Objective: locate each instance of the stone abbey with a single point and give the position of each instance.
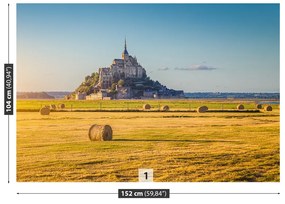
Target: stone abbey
(125, 78)
(127, 67)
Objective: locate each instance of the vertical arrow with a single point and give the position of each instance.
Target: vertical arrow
(8, 115)
(8, 150)
(8, 33)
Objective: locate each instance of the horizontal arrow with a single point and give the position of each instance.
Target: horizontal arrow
(230, 193)
(170, 193)
(62, 193)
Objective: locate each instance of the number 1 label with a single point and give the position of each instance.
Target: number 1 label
(145, 175)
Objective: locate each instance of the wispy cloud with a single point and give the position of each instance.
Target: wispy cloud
(163, 69)
(196, 67)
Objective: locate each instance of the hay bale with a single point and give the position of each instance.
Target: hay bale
(61, 106)
(202, 109)
(100, 133)
(53, 107)
(240, 107)
(268, 108)
(45, 110)
(146, 107)
(258, 106)
(165, 108)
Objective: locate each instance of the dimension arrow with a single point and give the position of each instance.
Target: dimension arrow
(229, 193)
(8, 115)
(65, 193)
(76, 193)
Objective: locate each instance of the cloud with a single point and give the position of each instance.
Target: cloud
(196, 67)
(163, 69)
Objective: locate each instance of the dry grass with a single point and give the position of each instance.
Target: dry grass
(202, 109)
(146, 107)
(268, 108)
(165, 108)
(53, 107)
(179, 147)
(258, 106)
(100, 133)
(181, 104)
(240, 107)
(45, 110)
(61, 106)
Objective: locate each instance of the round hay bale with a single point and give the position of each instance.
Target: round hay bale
(100, 133)
(44, 111)
(258, 106)
(53, 107)
(202, 109)
(146, 107)
(61, 106)
(165, 108)
(240, 107)
(268, 108)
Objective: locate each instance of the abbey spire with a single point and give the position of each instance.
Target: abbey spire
(126, 45)
(125, 54)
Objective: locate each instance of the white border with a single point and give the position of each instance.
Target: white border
(9, 191)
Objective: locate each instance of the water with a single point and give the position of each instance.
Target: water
(223, 95)
(269, 102)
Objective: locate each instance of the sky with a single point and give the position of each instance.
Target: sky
(190, 47)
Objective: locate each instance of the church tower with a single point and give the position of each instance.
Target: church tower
(125, 54)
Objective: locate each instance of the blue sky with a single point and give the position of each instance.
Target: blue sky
(190, 47)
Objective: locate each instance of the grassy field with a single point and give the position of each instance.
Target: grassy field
(179, 147)
(183, 104)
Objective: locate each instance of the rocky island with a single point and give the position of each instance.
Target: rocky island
(125, 78)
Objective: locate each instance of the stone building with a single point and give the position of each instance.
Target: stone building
(134, 82)
(149, 93)
(127, 67)
(105, 78)
(123, 93)
(80, 96)
(101, 95)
